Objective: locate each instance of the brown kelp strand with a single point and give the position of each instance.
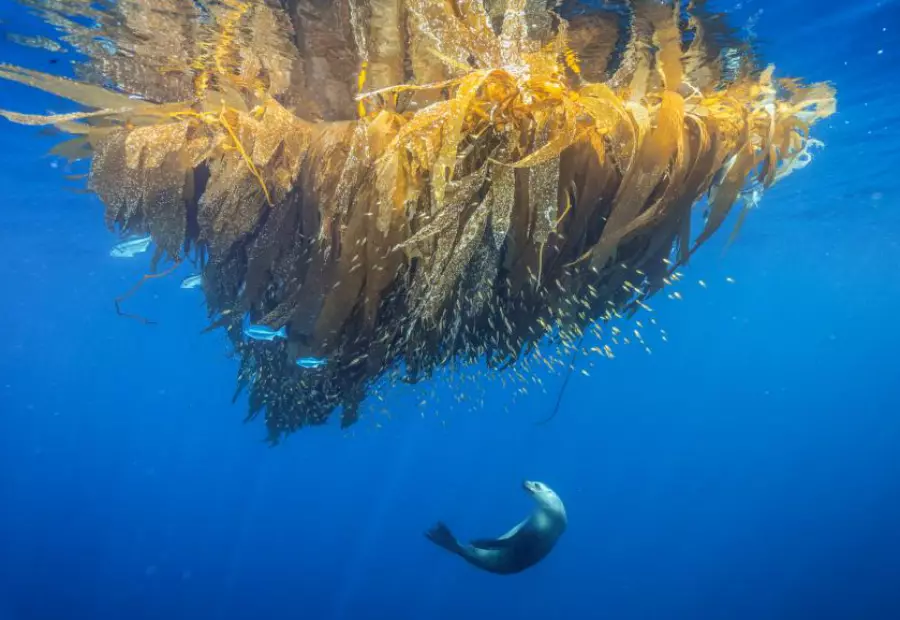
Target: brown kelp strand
(408, 184)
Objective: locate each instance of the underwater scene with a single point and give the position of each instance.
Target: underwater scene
(404, 309)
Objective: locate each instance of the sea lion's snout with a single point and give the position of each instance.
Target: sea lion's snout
(531, 487)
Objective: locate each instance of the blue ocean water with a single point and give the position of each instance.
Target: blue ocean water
(748, 468)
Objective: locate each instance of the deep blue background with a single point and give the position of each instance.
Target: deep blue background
(747, 469)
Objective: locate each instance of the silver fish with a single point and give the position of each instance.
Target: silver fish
(131, 247)
(193, 281)
(261, 332)
(310, 362)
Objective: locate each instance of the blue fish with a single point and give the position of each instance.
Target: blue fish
(310, 362)
(261, 332)
(192, 281)
(131, 247)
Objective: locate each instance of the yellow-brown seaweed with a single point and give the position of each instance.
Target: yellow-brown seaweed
(406, 182)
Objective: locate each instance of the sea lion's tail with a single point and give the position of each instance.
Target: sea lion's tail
(441, 535)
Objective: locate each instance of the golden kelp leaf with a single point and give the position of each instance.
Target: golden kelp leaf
(561, 138)
(319, 178)
(750, 201)
(57, 119)
(702, 134)
(543, 192)
(276, 125)
(604, 107)
(232, 204)
(659, 149)
(385, 59)
(414, 144)
(810, 103)
(382, 251)
(726, 194)
(354, 168)
(449, 32)
(74, 149)
(667, 37)
(484, 42)
(514, 43)
(503, 196)
(634, 71)
(459, 196)
(447, 276)
(451, 133)
(680, 188)
(427, 67)
(591, 183)
(294, 150)
(626, 138)
(197, 150)
(116, 185)
(769, 167)
(271, 48)
(223, 97)
(351, 271)
(595, 139)
(665, 141)
(85, 94)
(164, 206)
(147, 147)
(395, 187)
(367, 138)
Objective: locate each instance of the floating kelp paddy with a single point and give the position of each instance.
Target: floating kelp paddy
(396, 186)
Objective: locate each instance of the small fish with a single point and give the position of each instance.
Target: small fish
(261, 332)
(193, 281)
(721, 173)
(310, 362)
(131, 247)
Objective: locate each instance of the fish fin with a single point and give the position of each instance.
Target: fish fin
(282, 332)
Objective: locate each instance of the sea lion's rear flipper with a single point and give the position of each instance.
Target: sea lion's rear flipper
(441, 535)
(491, 543)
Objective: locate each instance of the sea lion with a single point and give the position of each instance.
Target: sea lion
(523, 546)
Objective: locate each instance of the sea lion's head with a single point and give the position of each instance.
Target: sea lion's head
(545, 497)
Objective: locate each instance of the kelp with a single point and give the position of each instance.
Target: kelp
(406, 183)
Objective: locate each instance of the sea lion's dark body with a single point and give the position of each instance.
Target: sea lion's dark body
(522, 547)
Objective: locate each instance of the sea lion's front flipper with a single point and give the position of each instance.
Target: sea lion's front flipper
(491, 543)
